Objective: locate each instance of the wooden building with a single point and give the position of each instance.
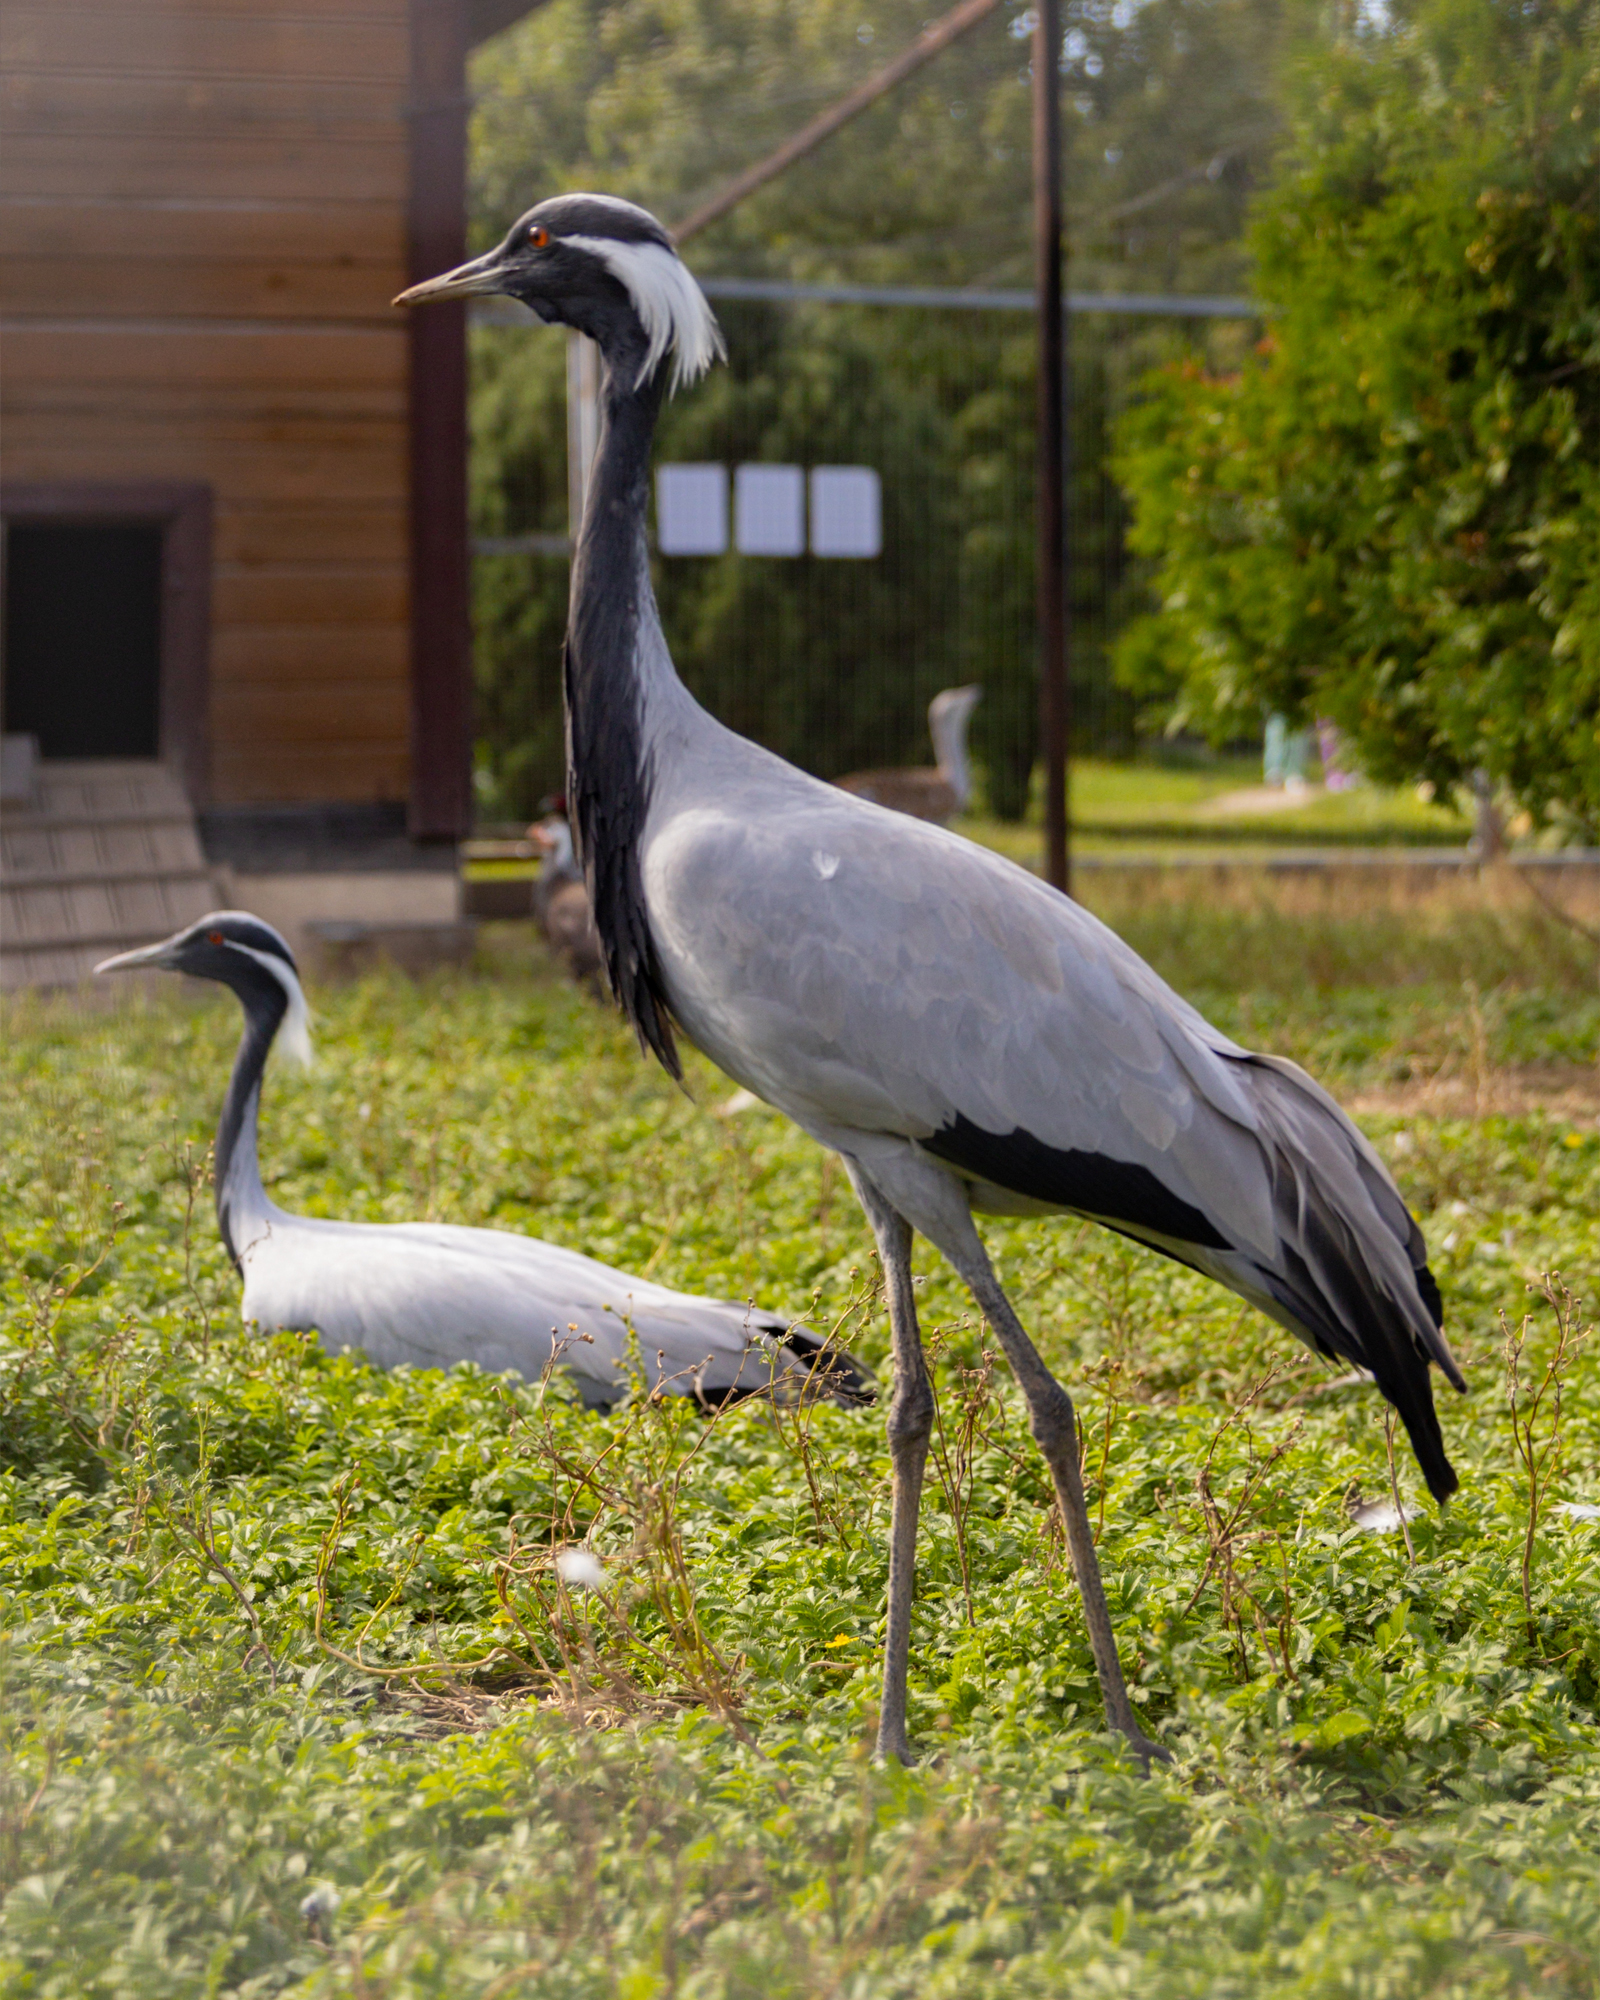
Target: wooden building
(233, 476)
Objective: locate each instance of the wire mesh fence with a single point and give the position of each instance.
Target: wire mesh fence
(843, 525)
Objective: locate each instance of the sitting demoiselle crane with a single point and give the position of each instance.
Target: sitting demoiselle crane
(432, 1293)
(965, 1037)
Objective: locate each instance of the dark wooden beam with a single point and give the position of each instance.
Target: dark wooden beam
(441, 641)
(1055, 692)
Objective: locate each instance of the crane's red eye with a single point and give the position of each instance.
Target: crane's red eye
(215, 937)
(538, 237)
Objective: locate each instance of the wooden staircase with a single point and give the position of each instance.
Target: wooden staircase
(95, 857)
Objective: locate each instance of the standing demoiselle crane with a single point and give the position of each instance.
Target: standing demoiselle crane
(961, 1034)
(433, 1293)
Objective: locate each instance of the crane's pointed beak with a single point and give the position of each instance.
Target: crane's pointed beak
(483, 275)
(154, 955)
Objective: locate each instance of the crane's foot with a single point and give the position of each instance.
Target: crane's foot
(1144, 1748)
(893, 1746)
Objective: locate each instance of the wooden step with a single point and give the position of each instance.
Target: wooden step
(100, 857)
(91, 851)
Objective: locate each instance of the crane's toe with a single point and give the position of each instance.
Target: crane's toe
(1146, 1749)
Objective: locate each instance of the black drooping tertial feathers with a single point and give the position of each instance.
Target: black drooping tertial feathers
(1350, 1274)
(608, 780)
(830, 1371)
(1368, 1301)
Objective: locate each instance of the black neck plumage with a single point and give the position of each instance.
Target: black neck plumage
(241, 1201)
(612, 614)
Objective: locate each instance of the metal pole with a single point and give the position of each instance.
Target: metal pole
(1055, 716)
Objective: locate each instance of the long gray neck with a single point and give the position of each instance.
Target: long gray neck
(244, 1213)
(948, 728)
(614, 662)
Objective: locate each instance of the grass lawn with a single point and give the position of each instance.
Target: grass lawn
(292, 1699)
(1160, 809)
(1148, 803)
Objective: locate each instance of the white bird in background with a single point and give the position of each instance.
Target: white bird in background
(938, 794)
(432, 1294)
(964, 1036)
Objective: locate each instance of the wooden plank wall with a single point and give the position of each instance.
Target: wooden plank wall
(203, 213)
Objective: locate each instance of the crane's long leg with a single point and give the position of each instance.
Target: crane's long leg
(1054, 1426)
(910, 1426)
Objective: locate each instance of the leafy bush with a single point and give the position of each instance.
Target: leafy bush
(1389, 516)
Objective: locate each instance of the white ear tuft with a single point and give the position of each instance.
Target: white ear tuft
(294, 1035)
(671, 306)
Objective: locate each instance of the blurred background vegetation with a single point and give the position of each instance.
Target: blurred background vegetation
(1388, 515)
(833, 663)
(1332, 161)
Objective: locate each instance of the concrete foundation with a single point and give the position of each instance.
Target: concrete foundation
(374, 899)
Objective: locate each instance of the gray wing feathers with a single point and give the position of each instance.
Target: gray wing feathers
(891, 988)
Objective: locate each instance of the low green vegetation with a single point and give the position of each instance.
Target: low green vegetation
(292, 1696)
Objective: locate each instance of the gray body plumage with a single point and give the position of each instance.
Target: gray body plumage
(928, 1008)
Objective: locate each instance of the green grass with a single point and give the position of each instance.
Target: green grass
(280, 1627)
(1161, 809)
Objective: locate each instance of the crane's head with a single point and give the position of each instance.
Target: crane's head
(601, 265)
(242, 952)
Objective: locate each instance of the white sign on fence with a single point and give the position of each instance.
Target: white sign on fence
(846, 511)
(769, 510)
(692, 510)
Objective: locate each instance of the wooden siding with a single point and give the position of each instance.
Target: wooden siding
(203, 218)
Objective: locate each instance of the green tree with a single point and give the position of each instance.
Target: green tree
(1390, 515)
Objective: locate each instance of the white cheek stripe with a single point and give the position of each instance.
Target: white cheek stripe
(295, 1034)
(671, 306)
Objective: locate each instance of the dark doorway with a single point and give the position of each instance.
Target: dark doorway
(83, 637)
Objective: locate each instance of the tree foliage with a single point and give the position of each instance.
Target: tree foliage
(1390, 515)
